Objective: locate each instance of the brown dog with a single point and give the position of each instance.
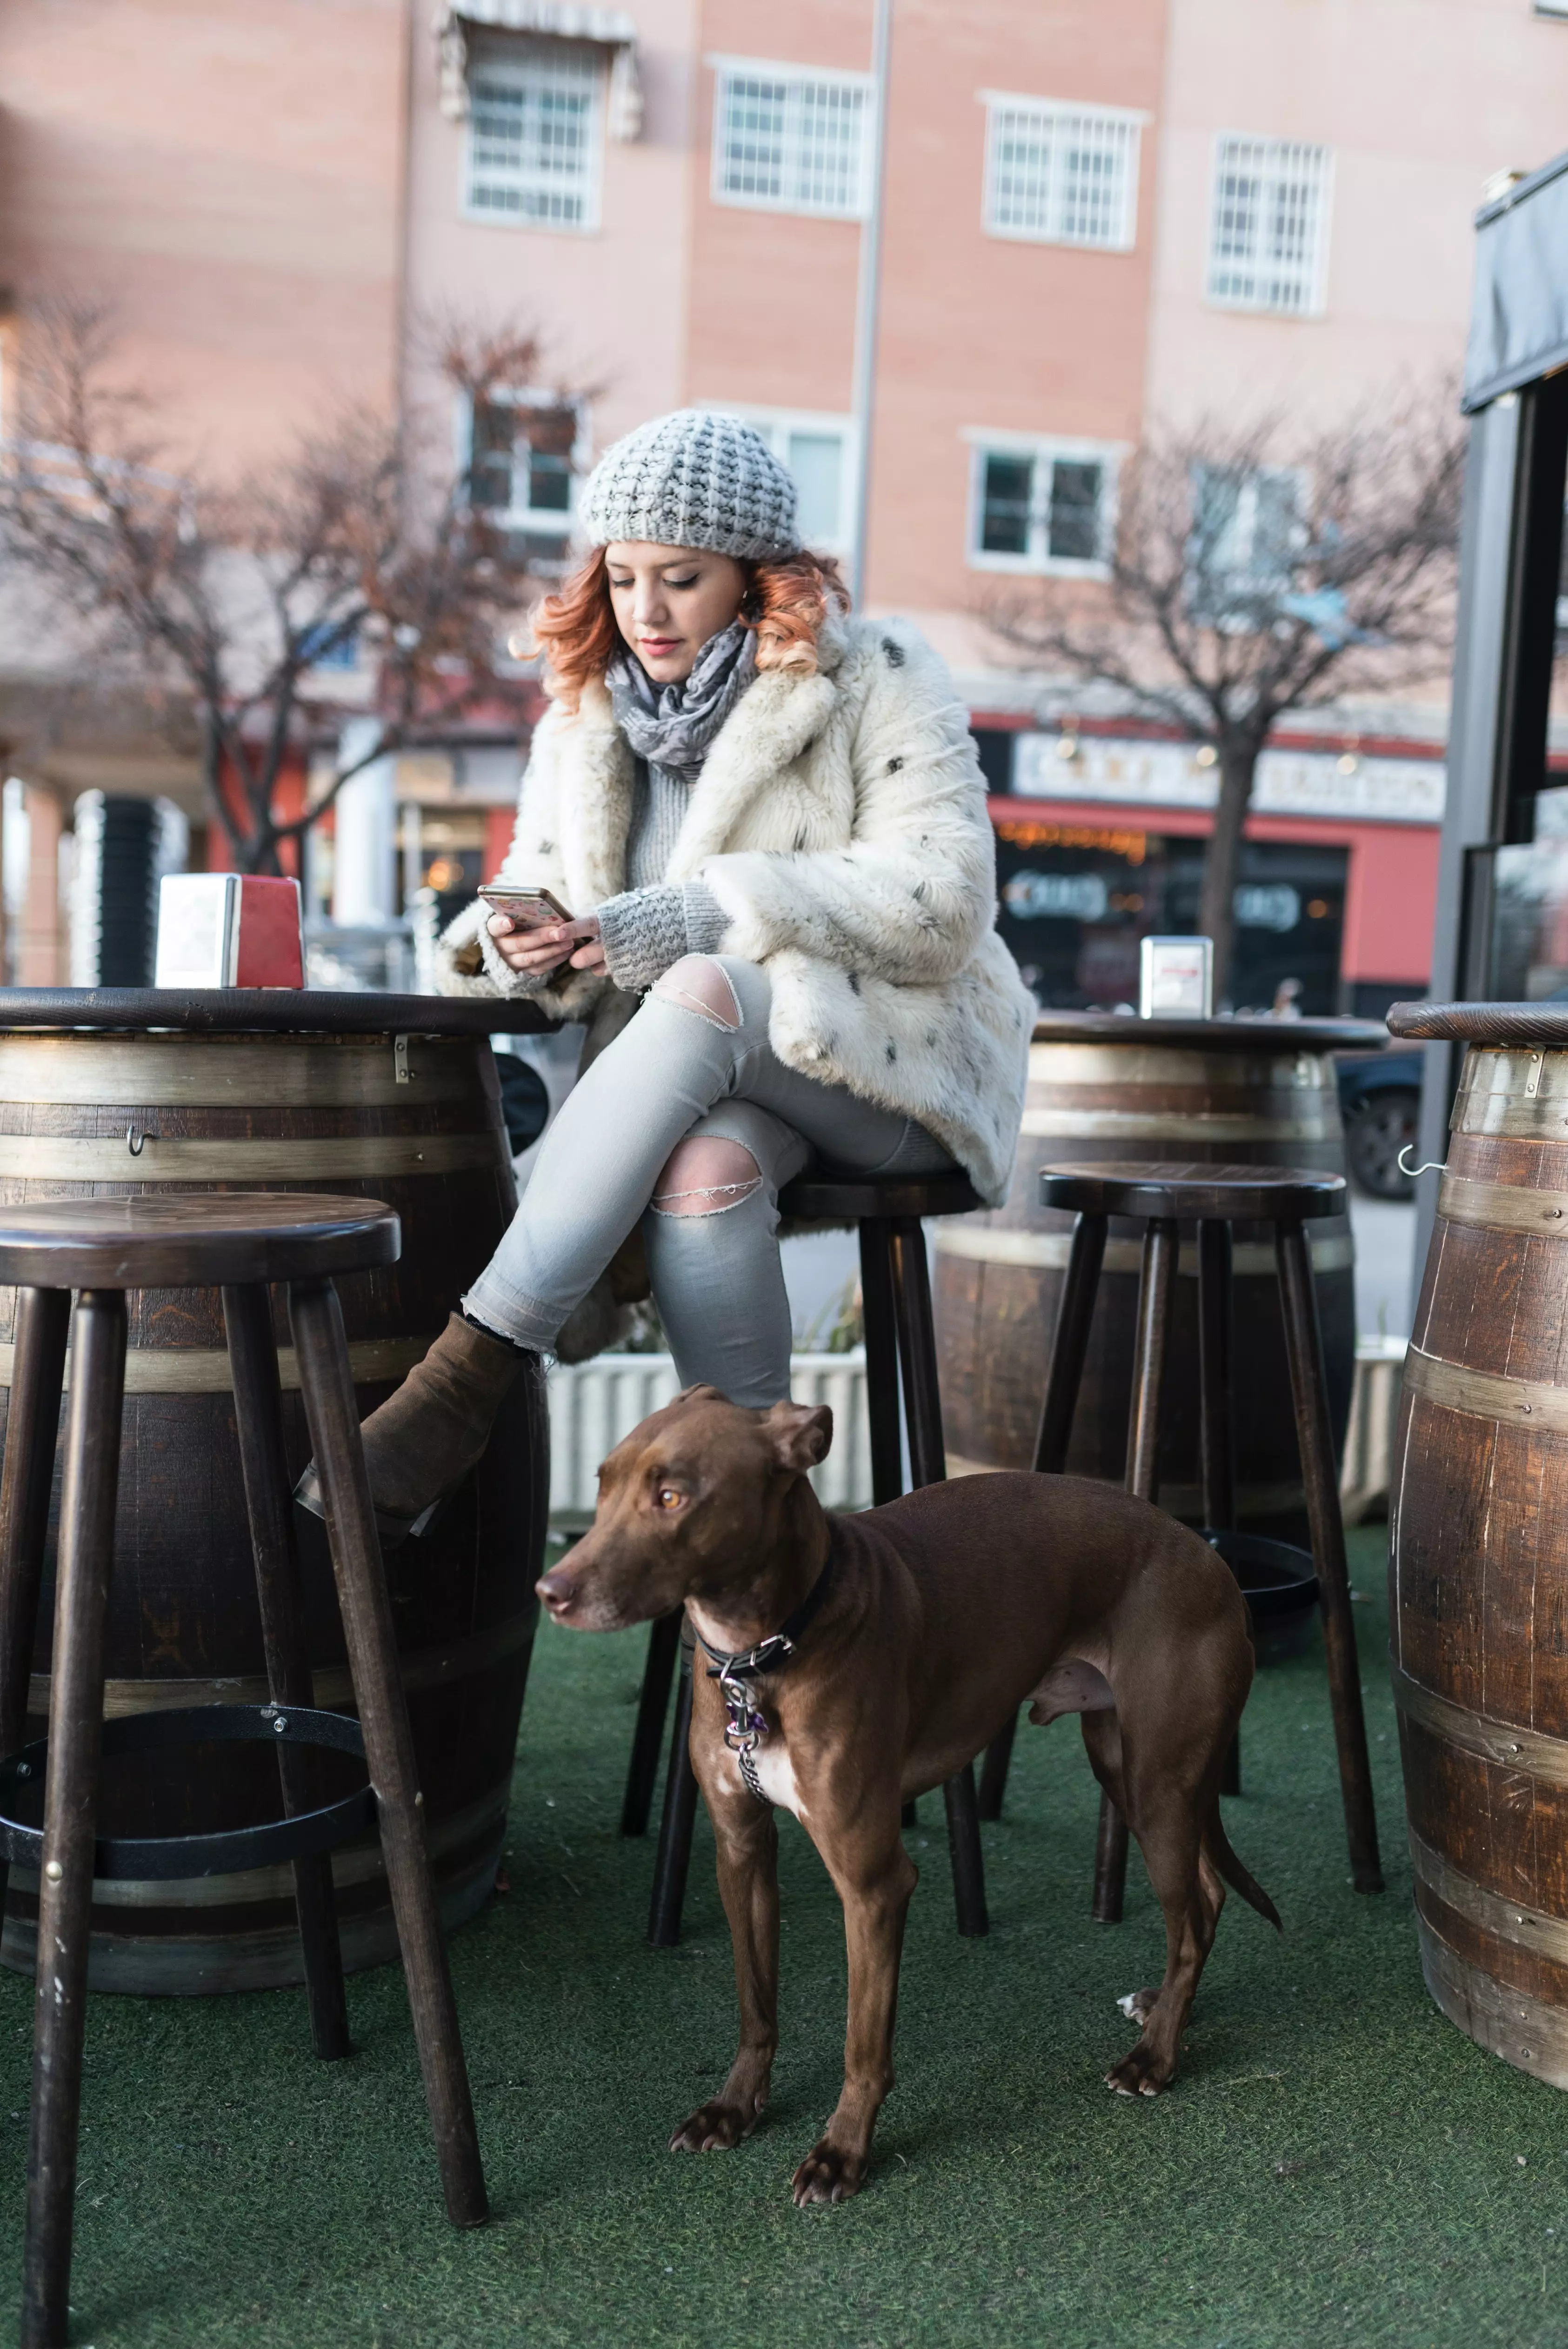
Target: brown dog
(913, 1632)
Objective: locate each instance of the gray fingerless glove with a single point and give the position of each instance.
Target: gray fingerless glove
(647, 930)
(705, 920)
(506, 981)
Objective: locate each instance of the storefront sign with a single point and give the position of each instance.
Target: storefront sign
(1168, 775)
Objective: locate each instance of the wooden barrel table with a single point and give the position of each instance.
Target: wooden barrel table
(112, 1093)
(1478, 1563)
(1105, 1086)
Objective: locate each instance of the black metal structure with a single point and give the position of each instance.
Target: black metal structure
(1166, 1199)
(301, 1836)
(1516, 396)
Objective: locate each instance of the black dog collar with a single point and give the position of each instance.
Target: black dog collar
(746, 1727)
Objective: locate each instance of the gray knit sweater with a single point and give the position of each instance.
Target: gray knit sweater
(668, 729)
(654, 923)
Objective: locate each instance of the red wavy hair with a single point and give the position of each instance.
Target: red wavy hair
(785, 602)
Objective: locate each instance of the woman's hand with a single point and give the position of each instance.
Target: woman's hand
(537, 950)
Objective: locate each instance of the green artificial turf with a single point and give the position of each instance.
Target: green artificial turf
(1335, 2163)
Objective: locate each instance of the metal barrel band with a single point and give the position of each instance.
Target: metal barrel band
(154, 1857)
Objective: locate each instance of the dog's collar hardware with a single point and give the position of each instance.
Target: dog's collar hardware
(745, 1727)
(743, 1731)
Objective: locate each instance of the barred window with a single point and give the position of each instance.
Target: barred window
(1059, 174)
(791, 143)
(533, 137)
(1268, 241)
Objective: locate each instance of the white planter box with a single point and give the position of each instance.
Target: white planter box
(593, 1405)
(1364, 1479)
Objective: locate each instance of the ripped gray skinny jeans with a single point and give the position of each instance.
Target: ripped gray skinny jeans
(680, 1069)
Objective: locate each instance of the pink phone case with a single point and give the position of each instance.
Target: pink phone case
(528, 913)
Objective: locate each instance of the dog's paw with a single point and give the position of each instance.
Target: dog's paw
(1139, 2004)
(715, 2128)
(828, 2175)
(1142, 2073)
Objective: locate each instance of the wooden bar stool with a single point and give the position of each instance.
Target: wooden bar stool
(1162, 1197)
(239, 1244)
(901, 1346)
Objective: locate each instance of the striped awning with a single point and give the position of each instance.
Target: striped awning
(557, 20)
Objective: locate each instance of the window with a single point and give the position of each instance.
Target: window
(1268, 239)
(1059, 174)
(525, 452)
(820, 452)
(1246, 542)
(1041, 506)
(533, 136)
(327, 646)
(790, 141)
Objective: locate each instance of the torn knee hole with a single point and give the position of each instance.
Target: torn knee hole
(703, 1176)
(703, 985)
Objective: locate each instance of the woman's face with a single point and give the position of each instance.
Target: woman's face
(668, 601)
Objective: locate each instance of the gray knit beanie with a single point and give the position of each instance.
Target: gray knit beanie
(693, 479)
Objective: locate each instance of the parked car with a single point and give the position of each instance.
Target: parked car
(1381, 1101)
(525, 1104)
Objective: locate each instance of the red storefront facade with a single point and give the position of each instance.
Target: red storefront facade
(1102, 826)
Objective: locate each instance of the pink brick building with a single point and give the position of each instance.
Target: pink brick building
(1096, 215)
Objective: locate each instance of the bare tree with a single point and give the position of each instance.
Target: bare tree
(227, 602)
(1250, 573)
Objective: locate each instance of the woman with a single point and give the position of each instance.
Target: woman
(768, 822)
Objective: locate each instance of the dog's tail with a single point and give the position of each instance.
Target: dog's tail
(1216, 1843)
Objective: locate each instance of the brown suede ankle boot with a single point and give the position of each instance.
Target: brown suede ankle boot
(424, 1439)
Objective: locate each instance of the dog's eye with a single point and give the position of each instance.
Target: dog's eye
(668, 1499)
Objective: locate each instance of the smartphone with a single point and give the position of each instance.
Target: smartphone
(531, 909)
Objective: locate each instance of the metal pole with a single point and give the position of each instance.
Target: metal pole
(868, 295)
(1472, 812)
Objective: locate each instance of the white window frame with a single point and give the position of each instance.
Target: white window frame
(1313, 274)
(529, 521)
(511, 62)
(1060, 111)
(777, 424)
(1044, 449)
(1249, 585)
(796, 76)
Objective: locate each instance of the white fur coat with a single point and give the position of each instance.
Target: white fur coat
(839, 819)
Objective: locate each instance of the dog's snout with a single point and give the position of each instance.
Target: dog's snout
(559, 1591)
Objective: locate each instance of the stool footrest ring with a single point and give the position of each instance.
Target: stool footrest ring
(166, 1858)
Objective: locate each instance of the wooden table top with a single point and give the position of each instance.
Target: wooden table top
(1213, 1035)
(269, 1011)
(1481, 1023)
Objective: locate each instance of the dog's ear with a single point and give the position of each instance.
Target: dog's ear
(688, 1394)
(800, 1433)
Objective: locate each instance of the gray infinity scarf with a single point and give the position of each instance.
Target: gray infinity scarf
(672, 726)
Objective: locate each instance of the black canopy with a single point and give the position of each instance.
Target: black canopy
(1519, 325)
